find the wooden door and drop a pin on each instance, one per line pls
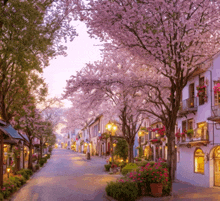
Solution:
(217, 172)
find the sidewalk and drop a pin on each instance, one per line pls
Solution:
(185, 191)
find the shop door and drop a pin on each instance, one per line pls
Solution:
(217, 172)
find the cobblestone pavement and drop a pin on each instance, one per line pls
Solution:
(67, 176)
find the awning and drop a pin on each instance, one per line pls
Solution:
(25, 137)
(9, 130)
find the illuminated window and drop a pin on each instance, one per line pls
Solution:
(201, 131)
(199, 161)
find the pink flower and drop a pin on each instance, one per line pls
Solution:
(140, 181)
(3, 189)
(139, 174)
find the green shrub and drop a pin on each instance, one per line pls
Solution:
(129, 167)
(164, 165)
(23, 173)
(121, 149)
(122, 191)
(1, 197)
(107, 167)
(142, 163)
(28, 171)
(15, 181)
(42, 161)
(21, 179)
(37, 166)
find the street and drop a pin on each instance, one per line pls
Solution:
(67, 176)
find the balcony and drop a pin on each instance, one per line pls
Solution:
(188, 105)
(200, 137)
(215, 114)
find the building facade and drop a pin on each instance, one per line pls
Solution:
(198, 128)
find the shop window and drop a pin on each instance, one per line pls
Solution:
(199, 161)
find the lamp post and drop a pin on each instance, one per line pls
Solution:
(140, 134)
(112, 128)
(8, 171)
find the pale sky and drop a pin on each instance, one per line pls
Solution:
(80, 51)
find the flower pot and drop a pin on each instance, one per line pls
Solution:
(113, 170)
(156, 189)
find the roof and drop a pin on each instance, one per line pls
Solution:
(9, 130)
(94, 120)
(25, 137)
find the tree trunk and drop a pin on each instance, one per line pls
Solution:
(1, 160)
(171, 160)
(30, 166)
(130, 152)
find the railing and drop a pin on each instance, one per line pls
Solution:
(188, 104)
(197, 136)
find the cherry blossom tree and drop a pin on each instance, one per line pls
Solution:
(113, 86)
(176, 38)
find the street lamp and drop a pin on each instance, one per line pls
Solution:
(112, 128)
(8, 171)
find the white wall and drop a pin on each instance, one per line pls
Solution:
(185, 168)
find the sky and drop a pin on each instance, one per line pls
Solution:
(80, 51)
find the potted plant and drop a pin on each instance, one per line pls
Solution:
(113, 168)
(190, 133)
(158, 178)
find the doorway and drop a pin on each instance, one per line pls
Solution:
(217, 166)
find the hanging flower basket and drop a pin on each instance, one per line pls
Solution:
(217, 88)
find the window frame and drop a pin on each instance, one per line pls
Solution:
(201, 98)
(216, 96)
(195, 161)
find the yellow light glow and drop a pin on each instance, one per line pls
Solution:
(157, 135)
(114, 145)
(114, 128)
(108, 127)
(89, 144)
(8, 170)
(86, 144)
(175, 146)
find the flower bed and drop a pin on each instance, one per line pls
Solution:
(140, 180)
